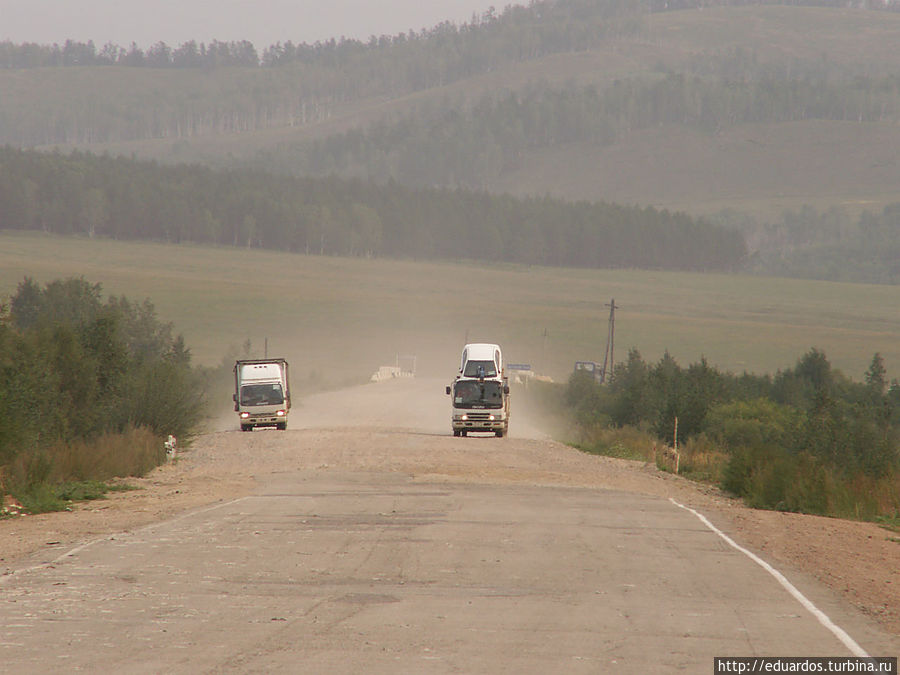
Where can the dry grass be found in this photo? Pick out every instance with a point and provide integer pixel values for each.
(52, 478)
(624, 443)
(868, 498)
(132, 453)
(702, 461)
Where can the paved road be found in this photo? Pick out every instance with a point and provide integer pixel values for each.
(376, 568)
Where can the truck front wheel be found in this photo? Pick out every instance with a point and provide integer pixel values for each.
(281, 426)
(246, 427)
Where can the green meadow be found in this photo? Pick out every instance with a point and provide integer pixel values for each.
(337, 320)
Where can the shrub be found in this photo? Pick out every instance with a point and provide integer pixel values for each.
(755, 423)
(45, 498)
(702, 459)
(41, 498)
(807, 440)
(63, 472)
(88, 389)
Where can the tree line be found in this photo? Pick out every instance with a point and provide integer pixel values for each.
(485, 135)
(73, 53)
(238, 90)
(289, 85)
(807, 439)
(830, 245)
(437, 144)
(516, 32)
(89, 387)
(83, 194)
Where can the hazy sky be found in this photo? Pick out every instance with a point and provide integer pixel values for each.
(263, 22)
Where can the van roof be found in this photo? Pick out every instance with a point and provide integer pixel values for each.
(481, 351)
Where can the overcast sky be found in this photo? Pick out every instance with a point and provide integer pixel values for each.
(263, 22)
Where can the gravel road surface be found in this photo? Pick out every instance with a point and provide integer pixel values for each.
(367, 539)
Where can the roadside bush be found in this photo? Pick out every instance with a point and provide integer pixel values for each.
(808, 439)
(702, 459)
(41, 498)
(621, 442)
(867, 498)
(586, 400)
(166, 398)
(88, 389)
(134, 452)
(756, 423)
(778, 480)
(44, 498)
(631, 398)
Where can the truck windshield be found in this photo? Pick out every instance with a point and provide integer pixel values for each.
(471, 394)
(480, 369)
(262, 394)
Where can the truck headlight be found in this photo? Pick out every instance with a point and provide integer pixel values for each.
(464, 417)
(245, 415)
(280, 413)
(491, 418)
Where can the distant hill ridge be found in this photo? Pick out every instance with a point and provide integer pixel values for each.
(543, 16)
(220, 88)
(741, 113)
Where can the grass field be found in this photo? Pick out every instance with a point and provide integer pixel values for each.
(338, 320)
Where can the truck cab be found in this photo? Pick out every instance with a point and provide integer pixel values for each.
(480, 392)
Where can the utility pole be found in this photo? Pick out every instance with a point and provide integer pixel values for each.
(544, 349)
(609, 358)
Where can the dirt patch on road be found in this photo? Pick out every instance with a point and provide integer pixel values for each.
(167, 491)
(860, 561)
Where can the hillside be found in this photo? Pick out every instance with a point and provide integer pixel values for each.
(755, 168)
(734, 113)
(269, 115)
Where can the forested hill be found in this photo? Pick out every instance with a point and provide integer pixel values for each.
(122, 198)
(781, 120)
(77, 93)
(194, 89)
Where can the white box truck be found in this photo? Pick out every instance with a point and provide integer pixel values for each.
(262, 393)
(480, 392)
